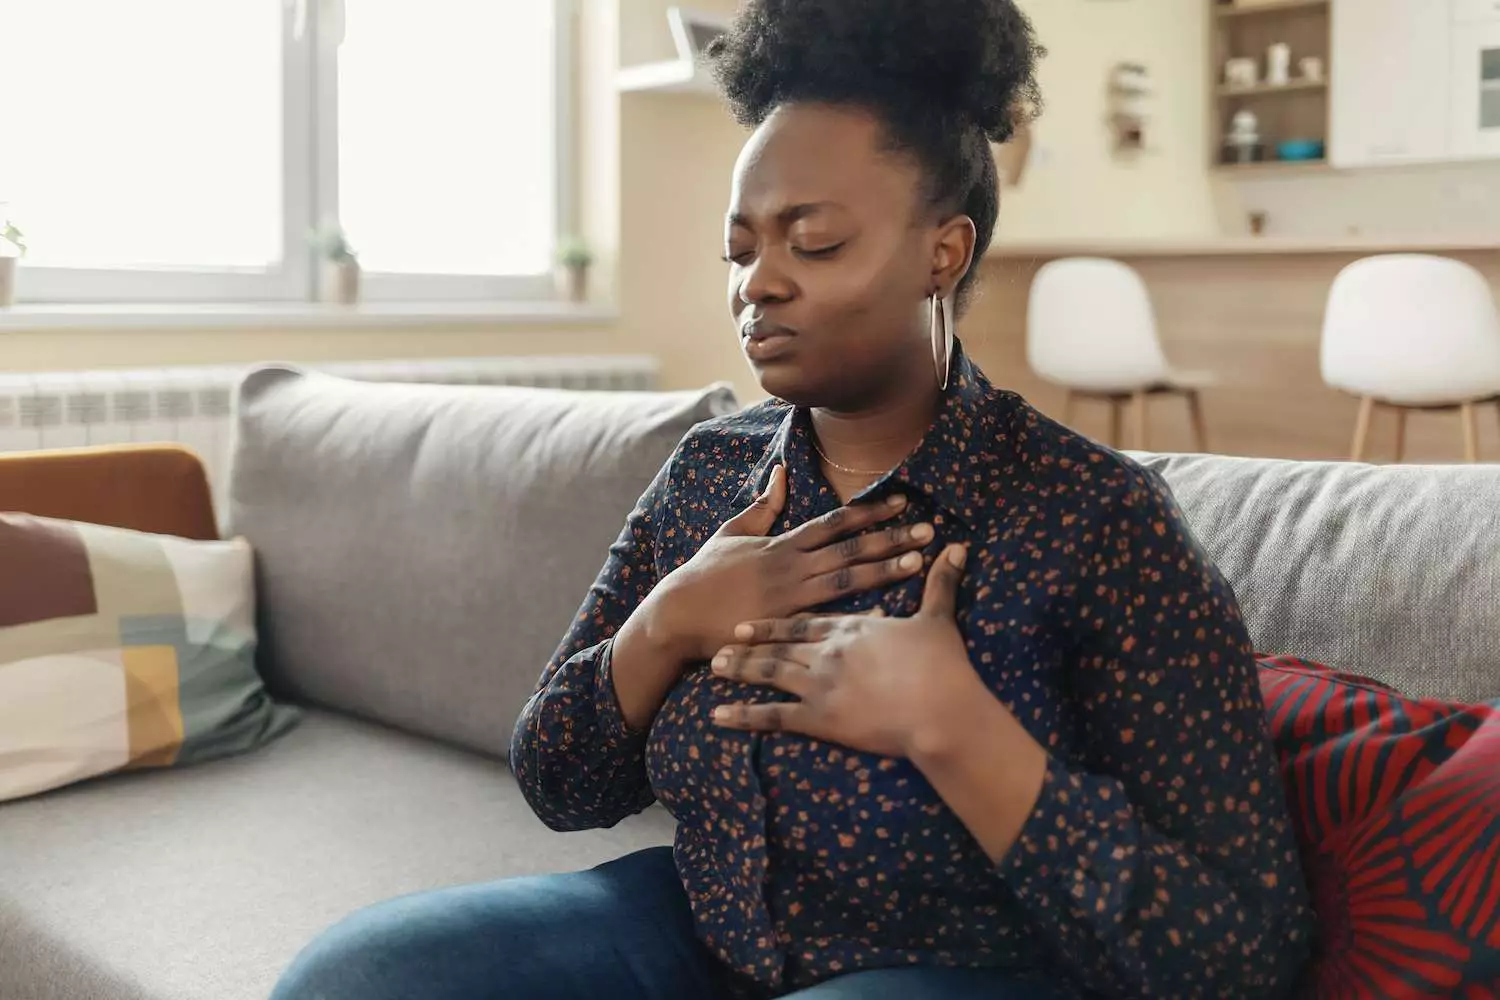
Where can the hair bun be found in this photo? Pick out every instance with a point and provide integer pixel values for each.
(973, 59)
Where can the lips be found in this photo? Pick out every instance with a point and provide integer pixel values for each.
(765, 341)
(763, 329)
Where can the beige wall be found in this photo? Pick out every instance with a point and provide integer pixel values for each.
(677, 153)
(1075, 186)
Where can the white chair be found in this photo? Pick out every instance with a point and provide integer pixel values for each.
(1412, 332)
(1091, 329)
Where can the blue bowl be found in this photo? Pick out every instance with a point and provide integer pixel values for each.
(1300, 149)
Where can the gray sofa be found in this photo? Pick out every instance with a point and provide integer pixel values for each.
(420, 552)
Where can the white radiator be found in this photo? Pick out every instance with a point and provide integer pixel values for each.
(192, 406)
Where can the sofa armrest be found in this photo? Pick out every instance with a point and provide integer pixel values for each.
(157, 488)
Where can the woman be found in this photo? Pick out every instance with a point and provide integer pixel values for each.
(1018, 751)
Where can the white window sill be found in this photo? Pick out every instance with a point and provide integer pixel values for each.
(300, 316)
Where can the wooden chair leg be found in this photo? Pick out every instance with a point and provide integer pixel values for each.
(1140, 421)
(1200, 426)
(1070, 408)
(1400, 434)
(1116, 421)
(1471, 432)
(1362, 428)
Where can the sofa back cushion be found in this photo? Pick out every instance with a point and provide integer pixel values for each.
(422, 549)
(1393, 572)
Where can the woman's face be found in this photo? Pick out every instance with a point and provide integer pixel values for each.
(832, 257)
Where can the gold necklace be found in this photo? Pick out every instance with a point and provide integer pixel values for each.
(844, 468)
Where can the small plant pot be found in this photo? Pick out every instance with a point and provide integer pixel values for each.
(9, 269)
(572, 283)
(341, 282)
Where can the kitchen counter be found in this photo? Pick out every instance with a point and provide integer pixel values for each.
(1239, 246)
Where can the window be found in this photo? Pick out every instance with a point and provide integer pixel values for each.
(1489, 88)
(181, 150)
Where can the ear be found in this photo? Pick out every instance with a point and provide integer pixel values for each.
(953, 253)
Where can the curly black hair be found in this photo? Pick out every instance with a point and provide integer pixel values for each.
(946, 77)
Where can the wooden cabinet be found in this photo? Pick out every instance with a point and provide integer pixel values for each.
(1392, 82)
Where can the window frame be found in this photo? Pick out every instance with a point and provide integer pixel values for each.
(309, 102)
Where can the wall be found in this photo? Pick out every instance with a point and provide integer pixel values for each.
(1075, 187)
(1439, 200)
(677, 154)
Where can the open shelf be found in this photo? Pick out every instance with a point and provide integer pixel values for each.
(1232, 10)
(1274, 89)
(1298, 109)
(676, 76)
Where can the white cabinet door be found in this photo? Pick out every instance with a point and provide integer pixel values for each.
(1475, 122)
(1391, 81)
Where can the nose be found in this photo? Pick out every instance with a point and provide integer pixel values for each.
(764, 282)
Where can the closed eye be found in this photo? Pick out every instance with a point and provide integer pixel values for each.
(820, 253)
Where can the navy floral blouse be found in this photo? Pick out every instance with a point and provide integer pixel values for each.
(1159, 861)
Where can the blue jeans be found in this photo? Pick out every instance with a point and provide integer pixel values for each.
(622, 931)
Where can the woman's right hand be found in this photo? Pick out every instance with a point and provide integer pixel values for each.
(741, 574)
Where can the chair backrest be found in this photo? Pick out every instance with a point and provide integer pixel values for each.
(1412, 328)
(1091, 326)
(160, 488)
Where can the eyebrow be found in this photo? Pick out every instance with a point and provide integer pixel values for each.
(788, 215)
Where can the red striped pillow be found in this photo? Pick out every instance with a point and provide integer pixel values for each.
(1397, 806)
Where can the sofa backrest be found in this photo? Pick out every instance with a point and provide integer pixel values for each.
(422, 549)
(1389, 572)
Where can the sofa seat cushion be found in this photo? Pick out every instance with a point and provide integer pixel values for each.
(202, 883)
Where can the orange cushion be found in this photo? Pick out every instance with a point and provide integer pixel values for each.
(158, 488)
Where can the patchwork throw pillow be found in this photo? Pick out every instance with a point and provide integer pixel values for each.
(123, 650)
(1397, 806)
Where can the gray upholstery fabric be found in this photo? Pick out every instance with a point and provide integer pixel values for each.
(1393, 573)
(421, 549)
(202, 883)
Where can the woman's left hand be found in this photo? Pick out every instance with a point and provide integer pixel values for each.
(884, 686)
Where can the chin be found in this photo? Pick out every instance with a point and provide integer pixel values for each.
(792, 384)
(783, 380)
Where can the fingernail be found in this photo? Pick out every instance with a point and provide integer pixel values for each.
(896, 501)
(922, 532)
(721, 661)
(744, 631)
(911, 560)
(958, 556)
(721, 714)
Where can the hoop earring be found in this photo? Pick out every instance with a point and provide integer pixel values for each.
(941, 324)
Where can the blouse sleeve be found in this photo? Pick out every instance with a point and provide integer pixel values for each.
(578, 762)
(1164, 864)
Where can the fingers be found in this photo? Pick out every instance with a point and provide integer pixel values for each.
(799, 629)
(846, 580)
(829, 528)
(777, 717)
(760, 517)
(940, 597)
(776, 666)
(870, 546)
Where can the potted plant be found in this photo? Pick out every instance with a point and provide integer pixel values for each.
(339, 278)
(12, 249)
(573, 261)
